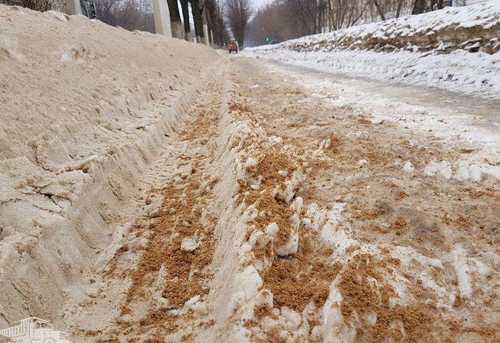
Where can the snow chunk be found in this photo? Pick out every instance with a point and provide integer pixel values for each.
(246, 285)
(272, 230)
(190, 244)
(442, 169)
(334, 217)
(249, 280)
(264, 299)
(362, 163)
(334, 328)
(466, 172)
(459, 261)
(273, 140)
(251, 162)
(408, 167)
(290, 247)
(292, 187)
(292, 318)
(315, 217)
(197, 305)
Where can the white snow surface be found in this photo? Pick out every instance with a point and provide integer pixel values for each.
(458, 70)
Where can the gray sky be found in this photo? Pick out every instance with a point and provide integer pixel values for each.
(258, 3)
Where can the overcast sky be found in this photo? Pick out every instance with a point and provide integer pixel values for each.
(259, 3)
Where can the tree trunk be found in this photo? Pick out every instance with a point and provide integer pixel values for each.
(210, 25)
(198, 20)
(400, 7)
(418, 7)
(175, 18)
(185, 15)
(379, 9)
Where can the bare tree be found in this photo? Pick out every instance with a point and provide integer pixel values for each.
(185, 16)
(380, 10)
(238, 13)
(273, 23)
(197, 10)
(215, 20)
(175, 19)
(126, 14)
(37, 5)
(344, 13)
(400, 4)
(286, 19)
(105, 11)
(419, 6)
(306, 14)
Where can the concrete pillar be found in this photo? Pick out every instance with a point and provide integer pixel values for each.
(162, 18)
(205, 34)
(77, 8)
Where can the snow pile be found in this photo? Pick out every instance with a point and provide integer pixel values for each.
(464, 171)
(445, 30)
(85, 108)
(454, 48)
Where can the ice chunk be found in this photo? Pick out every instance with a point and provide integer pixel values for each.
(408, 167)
(466, 172)
(190, 244)
(459, 261)
(442, 169)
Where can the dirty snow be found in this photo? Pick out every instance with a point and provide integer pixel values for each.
(86, 108)
(472, 122)
(284, 212)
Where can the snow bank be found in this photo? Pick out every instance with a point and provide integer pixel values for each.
(448, 29)
(454, 48)
(85, 108)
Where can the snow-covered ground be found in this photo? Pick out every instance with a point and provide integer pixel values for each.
(286, 217)
(455, 49)
(153, 190)
(459, 123)
(85, 109)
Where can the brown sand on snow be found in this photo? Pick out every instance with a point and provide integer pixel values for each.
(85, 108)
(421, 318)
(296, 281)
(379, 216)
(180, 217)
(265, 214)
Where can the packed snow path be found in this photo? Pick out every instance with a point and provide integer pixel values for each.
(444, 116)
(282, 213)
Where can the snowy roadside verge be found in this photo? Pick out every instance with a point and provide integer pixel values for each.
(475, 74)
(448, 51)
(467, 129)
